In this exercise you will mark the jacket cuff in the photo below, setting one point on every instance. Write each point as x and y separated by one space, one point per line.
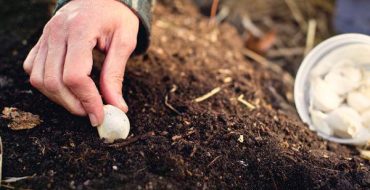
142 8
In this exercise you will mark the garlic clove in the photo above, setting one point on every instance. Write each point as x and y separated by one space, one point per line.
323 97
365 118
319 121
116 124
344 79
345 121
358 101
365 90
366 77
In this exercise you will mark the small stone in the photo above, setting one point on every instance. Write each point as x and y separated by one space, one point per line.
115 168
241 139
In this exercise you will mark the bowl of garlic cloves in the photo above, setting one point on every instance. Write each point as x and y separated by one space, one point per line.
332 89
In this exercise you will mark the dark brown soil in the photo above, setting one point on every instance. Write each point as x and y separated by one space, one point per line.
196 148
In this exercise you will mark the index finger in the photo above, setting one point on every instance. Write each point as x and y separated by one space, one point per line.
76 76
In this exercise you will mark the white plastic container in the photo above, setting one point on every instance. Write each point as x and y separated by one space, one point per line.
354 47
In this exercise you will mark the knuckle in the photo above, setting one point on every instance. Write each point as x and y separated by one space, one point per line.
72 80
27 67
58 21
46 28
76 19
52 84
36 82
128 43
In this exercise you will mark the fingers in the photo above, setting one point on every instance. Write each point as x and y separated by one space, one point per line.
27 65
53 84
77 68
113 71
37 73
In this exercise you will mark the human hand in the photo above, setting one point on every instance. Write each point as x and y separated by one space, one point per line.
60 63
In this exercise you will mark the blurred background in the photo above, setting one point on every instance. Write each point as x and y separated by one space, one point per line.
282 31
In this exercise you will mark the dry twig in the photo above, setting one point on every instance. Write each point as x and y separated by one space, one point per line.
311 33
208 95
297 15
174 88
246 103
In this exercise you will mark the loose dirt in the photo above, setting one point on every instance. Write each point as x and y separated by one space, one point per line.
176 142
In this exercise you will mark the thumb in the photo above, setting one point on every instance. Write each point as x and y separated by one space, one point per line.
112 73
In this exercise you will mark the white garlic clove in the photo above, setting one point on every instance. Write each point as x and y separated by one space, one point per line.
365 118
365 90
345 121
344 79
323 97
366 77
115 125
319 121
358 101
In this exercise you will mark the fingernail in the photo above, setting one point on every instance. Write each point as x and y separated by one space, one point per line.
123 103
93 120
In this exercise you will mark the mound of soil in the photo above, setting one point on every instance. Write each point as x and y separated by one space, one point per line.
177 142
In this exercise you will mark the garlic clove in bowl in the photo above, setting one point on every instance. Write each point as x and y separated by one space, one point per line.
323 97
344 79
116 124
319 120
345 121
358 101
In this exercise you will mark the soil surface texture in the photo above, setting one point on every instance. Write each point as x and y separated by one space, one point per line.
245 136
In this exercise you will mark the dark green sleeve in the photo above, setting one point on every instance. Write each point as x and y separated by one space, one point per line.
142 8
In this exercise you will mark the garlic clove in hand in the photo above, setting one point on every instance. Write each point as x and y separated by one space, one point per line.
323 97
115 125
344 79
345 121
320 123
358 101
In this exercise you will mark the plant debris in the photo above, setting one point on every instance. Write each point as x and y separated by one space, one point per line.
16 179
208 95
246 103
20 120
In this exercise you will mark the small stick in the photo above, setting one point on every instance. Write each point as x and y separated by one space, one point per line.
311 33
297 15
213 161
174 88
248 24
256 57
133 139
208 95
246 103
6 186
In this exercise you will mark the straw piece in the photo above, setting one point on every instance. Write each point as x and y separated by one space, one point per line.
208 95
246 103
